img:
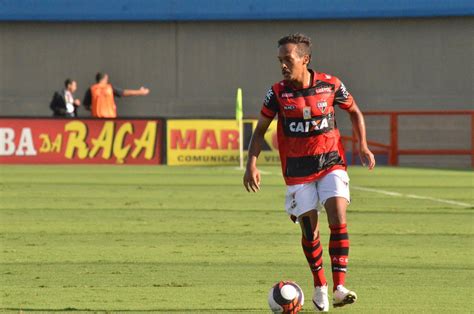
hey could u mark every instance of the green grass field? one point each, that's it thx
(109, 238)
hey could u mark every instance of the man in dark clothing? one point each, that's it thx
(63, 103)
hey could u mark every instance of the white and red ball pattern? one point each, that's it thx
(286, 297)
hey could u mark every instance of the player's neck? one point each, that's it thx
(304, 81)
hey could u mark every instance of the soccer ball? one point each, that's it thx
(286, 297)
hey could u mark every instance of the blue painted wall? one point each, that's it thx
(218, 10)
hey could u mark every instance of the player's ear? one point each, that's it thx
(306, 59)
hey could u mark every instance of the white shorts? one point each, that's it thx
(301, 198)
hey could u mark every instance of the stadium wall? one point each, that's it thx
(194, 68)
(187, 10)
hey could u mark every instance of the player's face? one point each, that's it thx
(292, 64)
(72, 87)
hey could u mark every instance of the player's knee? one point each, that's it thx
(336, 210)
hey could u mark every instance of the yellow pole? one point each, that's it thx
(239, 117)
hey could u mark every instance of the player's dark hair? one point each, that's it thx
(301, 40)
(99, 76)
(68, 82)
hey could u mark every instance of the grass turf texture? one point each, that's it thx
(171, 239)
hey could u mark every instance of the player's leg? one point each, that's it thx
(313, 251)
(312, 247)
(301, 204)
(339, 239)
(334, 193)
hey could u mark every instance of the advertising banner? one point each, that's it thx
(215, 142)
(88, 141)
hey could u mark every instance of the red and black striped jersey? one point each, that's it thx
(308, 139)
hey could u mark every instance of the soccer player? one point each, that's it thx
(312, 159)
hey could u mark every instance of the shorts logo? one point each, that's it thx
(322, 105)
(289, 107)
(293, 201)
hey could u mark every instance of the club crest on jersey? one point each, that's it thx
(322, 105)
(307, 113)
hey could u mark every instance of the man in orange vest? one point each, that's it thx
(100, 97)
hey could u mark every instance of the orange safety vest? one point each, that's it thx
(103, 103)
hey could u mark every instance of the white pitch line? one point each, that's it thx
(396, 194)
(439, 200)
(261, 171)
(376, 191)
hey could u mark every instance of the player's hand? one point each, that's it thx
(252, 179)
(367, 158)
(144, 91)
(77, 102)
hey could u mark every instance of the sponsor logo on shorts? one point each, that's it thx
(289, 107)
(293, 204)
(293, 201)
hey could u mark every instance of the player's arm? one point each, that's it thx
(87, 102)
(358, 125)
(252, 175)
(344, 100)
(142, 91)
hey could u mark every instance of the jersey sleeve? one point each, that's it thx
(118, 92)
(270, 105)
(342, 97)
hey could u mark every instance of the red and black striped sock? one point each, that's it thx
(314, 255)
(339, 253)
